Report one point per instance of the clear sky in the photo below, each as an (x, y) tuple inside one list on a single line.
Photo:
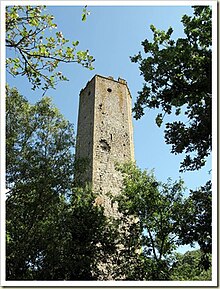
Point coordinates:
[(113, 34)]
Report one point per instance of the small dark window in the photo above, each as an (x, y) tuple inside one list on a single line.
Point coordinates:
[(89, 93), (104, 145), (109, 90)]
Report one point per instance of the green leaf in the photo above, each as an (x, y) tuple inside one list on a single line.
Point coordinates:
[(85, 13), (84, 17), (159, 120), (75, 43), (48, 51)]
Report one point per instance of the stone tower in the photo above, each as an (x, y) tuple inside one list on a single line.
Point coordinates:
[(104, 135)]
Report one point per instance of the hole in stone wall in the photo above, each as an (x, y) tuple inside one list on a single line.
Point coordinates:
[(109, 90), (100, 106), (89, 93), (104, 145)]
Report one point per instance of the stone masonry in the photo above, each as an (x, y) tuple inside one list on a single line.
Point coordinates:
[(104, 135)]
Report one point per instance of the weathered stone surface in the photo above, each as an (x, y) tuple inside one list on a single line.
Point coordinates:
[(105, 135)]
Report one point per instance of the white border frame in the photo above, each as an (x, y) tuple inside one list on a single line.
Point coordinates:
[(214, 142)]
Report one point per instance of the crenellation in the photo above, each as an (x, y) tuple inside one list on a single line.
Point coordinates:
[(123, 81)]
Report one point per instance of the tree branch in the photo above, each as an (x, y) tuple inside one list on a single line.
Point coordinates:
[(152, 242)]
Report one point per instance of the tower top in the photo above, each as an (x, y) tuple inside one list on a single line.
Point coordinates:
[(111, 78)]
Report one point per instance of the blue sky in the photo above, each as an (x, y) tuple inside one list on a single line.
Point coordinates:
[(113, 34)]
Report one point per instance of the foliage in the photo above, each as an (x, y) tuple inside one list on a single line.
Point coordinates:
[(178, 78), (187, 268), (37, 50), (38, 138), (197, 223), (85, 13), (54, 230), (155, 219), (156, 210)]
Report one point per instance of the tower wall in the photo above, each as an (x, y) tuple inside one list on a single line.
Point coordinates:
[(85, 132), (105, 134)]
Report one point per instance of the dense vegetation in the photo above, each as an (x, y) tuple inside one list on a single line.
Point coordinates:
[(54, 231), (155, 219)]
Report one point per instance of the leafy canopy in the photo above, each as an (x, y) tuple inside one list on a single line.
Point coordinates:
[(187, 267), (54, 230), (178, 78), (197, 226), (155, 218), (152, 212), (35, 50)]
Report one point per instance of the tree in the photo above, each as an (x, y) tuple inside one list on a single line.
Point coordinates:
[(178, 78), (187, 267), (54, 230), (34, 51), (155, 218), (151, 213), (197, 223), (38, 176)]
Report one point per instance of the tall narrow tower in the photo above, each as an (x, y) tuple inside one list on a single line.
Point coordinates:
[(104, 135)]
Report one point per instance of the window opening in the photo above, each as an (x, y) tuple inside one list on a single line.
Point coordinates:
[(104, 145)]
